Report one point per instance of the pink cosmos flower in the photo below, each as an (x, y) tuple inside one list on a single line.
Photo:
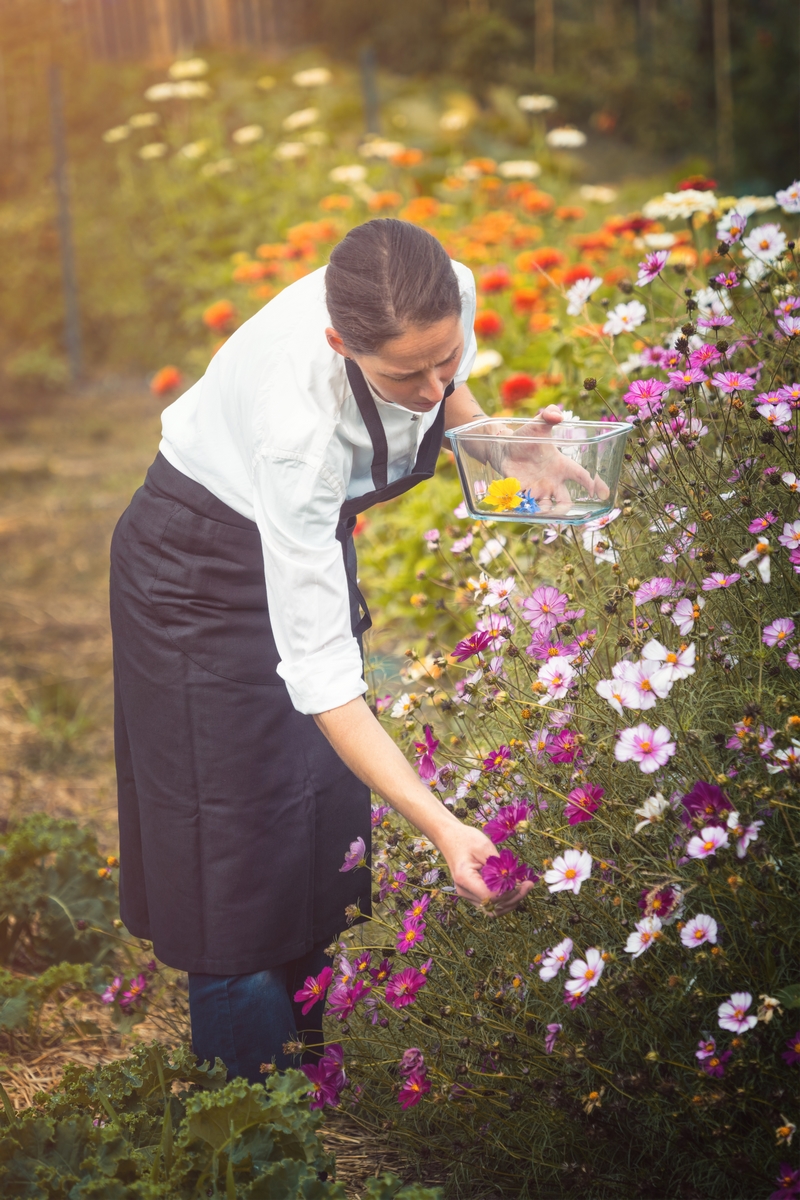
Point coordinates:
[(788, 1182), (715, 320), (313, 989), (432, 536), (502, 872), (651, 267), (343, 998), (620, 694), (729, 279), (680, 663), (731, 228), (419, 907), (686, 613), (553, 1030), (382, 972), (460, 545), (583, 803), (706, 1048), (545, 608), (425, 751), (715, 1064), (790, 538), (704, 356), (719, 580), (707, 803), (476, 643), (790, 392), (112, 991), (650, 748), (646, 932), (356, 856), (415, 1086), (563, 747), (402, 987), (555, 959), (499, 591), (775, 414), (791, 1055), (654, 589), (732, 1013), (557, 675), (569, 871), (789, 326), (745, 834), (646, 394), (680, 381), (498, 758), (412, 934), (585, 974), (710, 839), (506, 822), (699, 930), (760, 524), (778, 631), (650, 680), (323, 1078)]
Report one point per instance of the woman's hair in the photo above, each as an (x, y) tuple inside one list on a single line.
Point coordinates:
[(384, 276)]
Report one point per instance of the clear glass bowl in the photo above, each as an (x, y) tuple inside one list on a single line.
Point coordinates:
[(510, 469)]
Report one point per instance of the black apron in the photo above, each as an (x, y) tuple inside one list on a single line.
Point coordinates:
[(235, 813)]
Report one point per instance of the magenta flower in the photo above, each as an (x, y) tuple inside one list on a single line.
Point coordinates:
[(476, 643), (414, 1088), (502, 872), (706, 1048), (715, 320), (733, 1014), (707, 802), (760, 524), (545, 608), (791, 1054), (698, 931), (583, 803), (788, 1184), (585, 974), (497, 759), (555, 959), (412, 934), (506, 822), (344, 998), (552, 1036), (402, 987), (419, 907), (378, 813), (135, 993), (563, 747), (651, 267), (112, 991), (323, 1079), (659, 902), (647, 395), (382, 972), (412, 1060), (710, 839), (356, 856), (425, 751), (650, 748), (654, 589), (728, 279), (719, 580), (790, 392), (313, 989), (569, 871), (715, 1063), (778, 631), (681, 381), (732, 381)]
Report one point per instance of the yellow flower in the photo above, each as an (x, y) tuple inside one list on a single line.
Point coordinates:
[(502, 495)]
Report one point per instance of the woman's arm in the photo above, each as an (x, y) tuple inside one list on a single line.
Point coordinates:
[(365, 746)]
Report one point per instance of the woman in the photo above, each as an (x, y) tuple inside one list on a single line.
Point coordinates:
[(245, 750)]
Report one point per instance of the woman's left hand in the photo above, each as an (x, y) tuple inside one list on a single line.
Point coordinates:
[(544, 471)]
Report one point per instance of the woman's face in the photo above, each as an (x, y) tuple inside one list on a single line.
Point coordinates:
[(414, 369)]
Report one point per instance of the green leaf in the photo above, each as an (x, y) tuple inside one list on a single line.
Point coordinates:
[(789, 997)]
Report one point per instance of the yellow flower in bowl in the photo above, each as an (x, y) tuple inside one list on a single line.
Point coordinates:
[(502, 495)]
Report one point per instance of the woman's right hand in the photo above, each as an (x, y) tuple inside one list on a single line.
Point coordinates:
[(466, 850)]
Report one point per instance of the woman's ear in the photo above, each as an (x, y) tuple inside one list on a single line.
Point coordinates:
[(335, 342)]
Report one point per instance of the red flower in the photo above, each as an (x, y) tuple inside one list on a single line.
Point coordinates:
[(165, 380), (496, 279), (575, 272), (488, 323), (517, 388), (526, 299), (697, 183), (543, 259), (219, 315)]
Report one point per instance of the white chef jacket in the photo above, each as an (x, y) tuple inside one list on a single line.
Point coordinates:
[(273, 430)]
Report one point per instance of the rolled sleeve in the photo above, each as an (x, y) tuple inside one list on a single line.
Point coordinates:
[(297, 502)]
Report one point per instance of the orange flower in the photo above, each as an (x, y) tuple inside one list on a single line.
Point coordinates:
[(382, 200), (488, 323), (518, 189), (601, 239), (534, 201), (683, 254), (587, 331), (496, 279), (490, 183), (616, 274), (517, 388), (575, 272), (361, 524), (336, 200), (219, 315), (543, 259), (540, 322), (407, 158), (523, 235), (249, 272), (491, 228), (273, 250), (264, 291), (165, 380), (420, 209), (313, 231), (527, 299), (568, 212), (486, 166)]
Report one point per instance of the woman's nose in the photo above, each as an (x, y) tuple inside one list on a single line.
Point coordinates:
[(432, 388)]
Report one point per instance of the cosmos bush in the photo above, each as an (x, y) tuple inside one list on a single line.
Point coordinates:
[(621, 715)]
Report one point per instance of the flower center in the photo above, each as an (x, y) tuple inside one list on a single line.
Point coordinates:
[(570, 873), (672, 658), (708, 845), (589, 974), (645, 746)]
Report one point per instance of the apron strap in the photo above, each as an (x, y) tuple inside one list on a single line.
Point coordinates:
[(371, 418)]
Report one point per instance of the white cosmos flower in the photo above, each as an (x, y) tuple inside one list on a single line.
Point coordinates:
[(537, 103), (188, 68), (651, 812), (247, 134), (348, 173), (566, 137), (222, 166), (789, 198), (698, 930), (194, 149), (312, 77), (619, 693), (555, 959), (625, 318), (557, 674), (659, 241), (143, 120), (117, 134), (673, 206), (485, 362), (380, 148), (651, 681), (760, 556), (745, 834), (585, 975), (153, 150), (569, 871), (579, 293), (289, 150), (519, 168), (647, 930), (491, 549), (596, 193), (454, 120), (300, 119), (679, 662), (403, 705), (183, 89)]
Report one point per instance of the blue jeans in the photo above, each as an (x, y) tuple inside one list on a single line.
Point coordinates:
[(245, 1019)]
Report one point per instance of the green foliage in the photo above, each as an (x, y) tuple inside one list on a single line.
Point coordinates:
[(157, 1124), (22, 999), (55, 905)]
